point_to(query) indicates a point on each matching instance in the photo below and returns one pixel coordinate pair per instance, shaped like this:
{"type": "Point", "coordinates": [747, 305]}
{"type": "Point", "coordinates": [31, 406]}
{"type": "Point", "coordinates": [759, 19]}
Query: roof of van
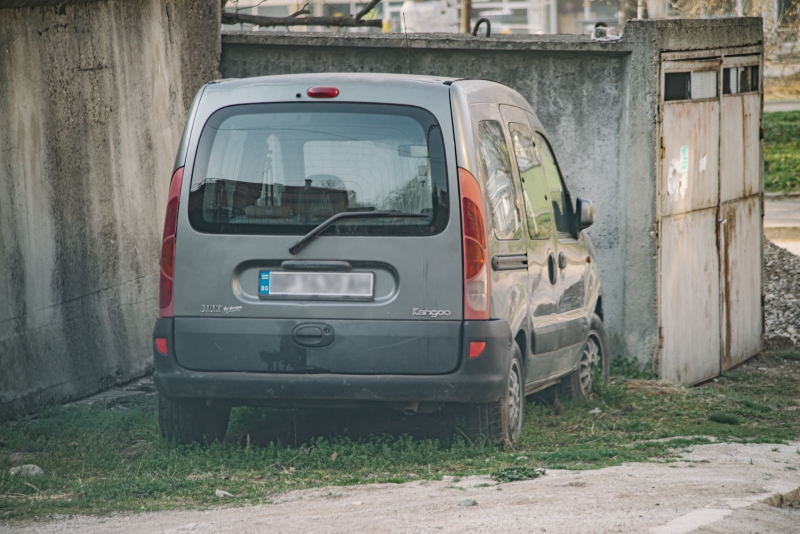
{"type": "Point", "coordinates": [481, 90]}
{"type": "Point", "coordinates": [328, 78]}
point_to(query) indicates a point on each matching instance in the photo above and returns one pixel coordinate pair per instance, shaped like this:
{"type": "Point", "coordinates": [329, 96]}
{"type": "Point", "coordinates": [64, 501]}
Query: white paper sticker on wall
{"type": "Point", "coordinates": [683, 185]}
{"type": "Point", "coordinates": [703, 164]}
{"type": "Point", "coordinates": [672, 179]}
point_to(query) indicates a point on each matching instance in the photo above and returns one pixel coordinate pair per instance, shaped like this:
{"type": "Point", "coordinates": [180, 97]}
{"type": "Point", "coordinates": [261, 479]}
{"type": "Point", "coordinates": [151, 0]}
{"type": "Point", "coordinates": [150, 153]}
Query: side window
{"type": "Point", "coordinates": [499, 187]}
{"type": "Point", "coordinates": [558, 197]}
{"type": "Point", "coordinates": [534, 187]}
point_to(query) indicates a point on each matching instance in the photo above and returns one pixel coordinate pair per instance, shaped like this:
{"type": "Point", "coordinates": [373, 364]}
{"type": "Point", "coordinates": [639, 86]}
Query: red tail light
{"type": "Point", "coordinates": [476, 271]}
{"type": "Point", "coordinates": [475, 348]}
{"type": "Point", "coordinates": [161, 345]}
{"type": "Point", "coordinates": [323, 92]}
{"type": "Point", "coordinates": [166, 304]}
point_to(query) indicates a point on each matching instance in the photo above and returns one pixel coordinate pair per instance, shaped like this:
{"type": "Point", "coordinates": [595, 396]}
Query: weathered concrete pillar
{"type": "Point", "coordinates": [93, 95]}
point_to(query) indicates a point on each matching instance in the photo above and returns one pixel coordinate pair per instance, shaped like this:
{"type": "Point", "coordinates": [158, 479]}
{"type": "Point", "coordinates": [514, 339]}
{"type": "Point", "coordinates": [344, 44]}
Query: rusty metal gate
{"type": "Point", "coordinates": [709, 214]}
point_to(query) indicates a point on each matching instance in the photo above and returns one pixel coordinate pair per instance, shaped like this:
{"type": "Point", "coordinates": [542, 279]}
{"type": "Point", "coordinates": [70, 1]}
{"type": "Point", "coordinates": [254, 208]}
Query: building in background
{"type": "Point", "coordinates": [317, 8]}
{"type": "Point", "coordinates": [576, 16]}
{"type": "Point", "coordinates": [442, 16]}
{"type": "Point", "coordinates": [519, 16]}
{"type": "Point", "coordinates": [507, 16]}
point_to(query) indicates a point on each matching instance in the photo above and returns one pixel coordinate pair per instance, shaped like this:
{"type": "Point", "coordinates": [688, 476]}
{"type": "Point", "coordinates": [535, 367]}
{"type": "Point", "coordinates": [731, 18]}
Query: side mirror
{"type": "Point", "coordinates": [584, 214]}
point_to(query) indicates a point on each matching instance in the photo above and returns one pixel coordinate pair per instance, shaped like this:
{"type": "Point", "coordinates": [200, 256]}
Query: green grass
{"type": "Point", "coordinates": [724, 418]}
{"type": "Point", "coordinates": [782, 151]}
{"type": "Point", "coordinates": [515, 473]}
{"type": "Point", "coordinates": [789, 355]}
{"type": "Point", "coordinates": [624, 367]}
{"type": "Point", "coordinates": [101, 460]}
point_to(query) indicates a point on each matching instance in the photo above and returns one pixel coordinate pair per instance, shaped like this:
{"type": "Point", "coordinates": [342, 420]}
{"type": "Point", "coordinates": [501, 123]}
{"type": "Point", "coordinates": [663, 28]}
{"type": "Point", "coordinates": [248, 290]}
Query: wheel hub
{"type": "Point", "coordinates": [515, 401]}
{"type": "Point", "coordinates": [590, 363]}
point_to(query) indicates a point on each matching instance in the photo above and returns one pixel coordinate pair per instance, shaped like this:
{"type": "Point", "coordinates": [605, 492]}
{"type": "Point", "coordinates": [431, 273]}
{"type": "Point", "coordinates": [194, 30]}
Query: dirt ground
{"type": "Point", "coordinates": [715, 488]}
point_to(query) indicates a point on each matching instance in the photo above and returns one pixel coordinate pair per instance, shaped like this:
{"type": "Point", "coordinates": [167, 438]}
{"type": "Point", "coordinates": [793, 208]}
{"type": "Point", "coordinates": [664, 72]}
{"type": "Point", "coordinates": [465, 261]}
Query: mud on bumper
{"type": "Point", "coordinates": [478, 380]}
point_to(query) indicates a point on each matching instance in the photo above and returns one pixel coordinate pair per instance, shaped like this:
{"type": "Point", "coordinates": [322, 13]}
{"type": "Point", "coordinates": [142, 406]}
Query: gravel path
{"type": "Point", "coordinates": [781, 297]}
{"type": "Point", "coordinates": [722, 482]}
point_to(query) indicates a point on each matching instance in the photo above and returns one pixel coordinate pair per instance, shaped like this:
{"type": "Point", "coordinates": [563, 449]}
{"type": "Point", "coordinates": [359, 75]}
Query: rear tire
{"type": "Point", "coordinates": [593, 368]}
{"type": "Point", "coordinates": [185, 421]}
{"type": "Point", "coordinates": [503, 419]}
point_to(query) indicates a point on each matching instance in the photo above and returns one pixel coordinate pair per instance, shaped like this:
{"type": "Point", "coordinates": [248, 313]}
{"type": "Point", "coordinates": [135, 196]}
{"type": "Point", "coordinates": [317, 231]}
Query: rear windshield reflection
{"type": "Point", "coordinates": [285, 168]}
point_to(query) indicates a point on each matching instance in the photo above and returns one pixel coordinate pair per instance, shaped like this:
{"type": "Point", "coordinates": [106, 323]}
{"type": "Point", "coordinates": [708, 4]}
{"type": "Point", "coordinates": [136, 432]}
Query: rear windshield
{"type": "Point", "coordinates": [285, 168]}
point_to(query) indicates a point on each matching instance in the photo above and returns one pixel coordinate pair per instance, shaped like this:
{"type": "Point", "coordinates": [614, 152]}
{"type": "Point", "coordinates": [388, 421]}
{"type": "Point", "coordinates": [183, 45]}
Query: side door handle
{"type": "Point", "coordinates": [551, 268]}
{"type": "Point", "coordinates": [509, 262]}
{"type": "Point", "coordinates": [562, 261]}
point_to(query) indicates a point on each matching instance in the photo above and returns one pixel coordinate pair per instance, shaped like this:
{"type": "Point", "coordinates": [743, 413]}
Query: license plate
{"type": "Point", "coordinates": [315, 286]}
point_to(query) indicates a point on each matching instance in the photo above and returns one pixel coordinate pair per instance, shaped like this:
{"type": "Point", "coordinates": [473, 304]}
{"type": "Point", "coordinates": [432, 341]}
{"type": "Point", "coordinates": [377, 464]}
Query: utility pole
{"type": "Point", "coordinates": [466, 16]}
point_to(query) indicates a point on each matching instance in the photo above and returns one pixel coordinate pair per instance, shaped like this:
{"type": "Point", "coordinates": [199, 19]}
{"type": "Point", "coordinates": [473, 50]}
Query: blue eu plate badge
{"type": "Point", "coordinates": [263, 283]}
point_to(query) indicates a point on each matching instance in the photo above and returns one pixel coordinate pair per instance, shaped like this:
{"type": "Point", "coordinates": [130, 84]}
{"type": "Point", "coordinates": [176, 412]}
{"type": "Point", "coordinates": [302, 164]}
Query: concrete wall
{"type": "Point", "coordinates": [598, 102]}
{"type": "Point", "coordinates": [93, 96]}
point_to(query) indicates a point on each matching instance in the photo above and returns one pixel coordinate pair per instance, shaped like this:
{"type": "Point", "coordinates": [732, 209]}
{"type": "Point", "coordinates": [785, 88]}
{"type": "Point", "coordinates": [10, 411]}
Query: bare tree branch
{"type": "Point", "coordinates": [302, 11]}
{"type": "Point", "coordinates": [366, 9]}
{"type": "Point", "coordinates": [234, 18]}
{"type": "Point", "coordinates": [295, 20]}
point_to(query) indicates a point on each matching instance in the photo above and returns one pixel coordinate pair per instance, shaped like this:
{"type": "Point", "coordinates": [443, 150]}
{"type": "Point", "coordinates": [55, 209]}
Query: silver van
{"type": "Point", "coordinates": [350, 238]}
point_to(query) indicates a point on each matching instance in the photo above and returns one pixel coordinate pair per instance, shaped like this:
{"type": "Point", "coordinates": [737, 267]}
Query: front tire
{"type": "Point", "coordinates": [185, 421]}
{"type": "Point", "coordinates": [502, 420]}
{"type": "Point", "coordinates": [593, 368]}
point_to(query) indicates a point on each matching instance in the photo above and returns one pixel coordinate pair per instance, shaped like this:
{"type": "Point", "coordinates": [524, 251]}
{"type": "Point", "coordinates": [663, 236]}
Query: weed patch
{"type": "Point", "coordinates": [792, 355]}
{"type": "Point", "coordinates": [747, 403]}
{"type": "Point", "coordinates": [516, 473]}
{"type": "Point", "coordinates": [724, 418]}
{"type": "Point", "coordinates": [621, 366]}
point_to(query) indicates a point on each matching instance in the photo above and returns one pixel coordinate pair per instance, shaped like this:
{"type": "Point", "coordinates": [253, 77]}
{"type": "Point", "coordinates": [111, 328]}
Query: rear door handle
{"type": "Point", "coordinates": [551, 268]}
{"type": "Point", "coordinates": [509, 262]}
{"type": "Point", "coordinates": [562, 261]}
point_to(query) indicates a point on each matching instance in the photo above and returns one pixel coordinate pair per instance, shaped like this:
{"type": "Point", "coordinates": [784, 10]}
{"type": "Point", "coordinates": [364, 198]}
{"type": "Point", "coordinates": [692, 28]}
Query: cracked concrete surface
{"type": "Point", "coordinates": [713, 488]}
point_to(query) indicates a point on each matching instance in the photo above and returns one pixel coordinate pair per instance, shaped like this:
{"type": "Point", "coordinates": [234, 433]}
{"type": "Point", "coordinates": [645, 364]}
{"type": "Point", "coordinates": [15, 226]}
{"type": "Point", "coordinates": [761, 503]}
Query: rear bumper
{"type": "Point", "coordinates": [479, 380]}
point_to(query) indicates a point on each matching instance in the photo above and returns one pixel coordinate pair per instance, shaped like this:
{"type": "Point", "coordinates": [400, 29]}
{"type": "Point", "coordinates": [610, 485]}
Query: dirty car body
{"type": "Point", "coordinates": [440, 242]}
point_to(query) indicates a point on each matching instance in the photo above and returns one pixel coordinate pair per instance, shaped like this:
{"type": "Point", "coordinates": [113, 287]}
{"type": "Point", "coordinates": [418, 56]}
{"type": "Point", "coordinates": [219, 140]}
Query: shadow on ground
{"type": "Point", "coordinates": [297, 427]}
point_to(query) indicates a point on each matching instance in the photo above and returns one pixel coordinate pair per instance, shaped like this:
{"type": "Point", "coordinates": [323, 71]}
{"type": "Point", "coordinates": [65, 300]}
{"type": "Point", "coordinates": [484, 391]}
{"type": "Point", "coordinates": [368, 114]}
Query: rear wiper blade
{"type": "Point", "coordinates": [306, 239]}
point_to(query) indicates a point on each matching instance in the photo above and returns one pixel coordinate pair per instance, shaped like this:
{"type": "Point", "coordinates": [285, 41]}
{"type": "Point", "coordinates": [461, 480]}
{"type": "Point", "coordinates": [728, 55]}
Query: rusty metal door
{"type": "Point", "coordinates": [740, 220]}
{"type": "Point", "coordinates": [740, 280]}
{"type": "Point", "coordinates": [688, 189]}
{"type": "Point", "coordinates": [709, 215]}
